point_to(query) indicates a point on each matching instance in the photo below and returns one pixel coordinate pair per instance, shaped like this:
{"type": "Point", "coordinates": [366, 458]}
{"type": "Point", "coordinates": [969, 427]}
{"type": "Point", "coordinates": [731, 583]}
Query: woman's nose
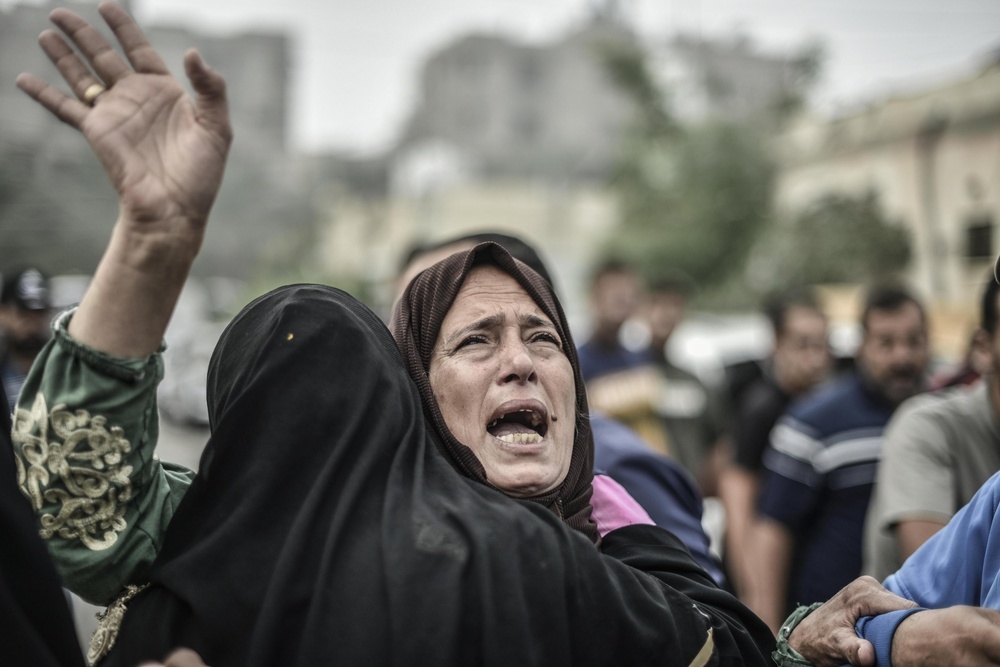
{"type": "Point", "coordinates": [517, 363]}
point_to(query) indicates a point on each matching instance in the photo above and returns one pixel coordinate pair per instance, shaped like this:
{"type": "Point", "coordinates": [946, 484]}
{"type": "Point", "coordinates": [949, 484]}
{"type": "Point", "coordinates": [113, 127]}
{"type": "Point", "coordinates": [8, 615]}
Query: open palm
{"type": "Point", "coordinates": [163, 151]}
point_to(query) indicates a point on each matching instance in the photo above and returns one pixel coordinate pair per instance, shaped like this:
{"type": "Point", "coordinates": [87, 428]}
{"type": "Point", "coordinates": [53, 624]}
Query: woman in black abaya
{"type": "Point", "coordinates": [326, 528]}
{"type": "Point", "coordinates": [336, 518]}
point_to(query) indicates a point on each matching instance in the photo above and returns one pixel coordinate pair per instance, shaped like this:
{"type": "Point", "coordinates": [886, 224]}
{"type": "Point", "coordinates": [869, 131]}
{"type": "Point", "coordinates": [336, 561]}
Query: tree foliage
{"type": "Point", "coordinates": [839, 238]}
{"type": "Point", "coordinates": [691, 198]}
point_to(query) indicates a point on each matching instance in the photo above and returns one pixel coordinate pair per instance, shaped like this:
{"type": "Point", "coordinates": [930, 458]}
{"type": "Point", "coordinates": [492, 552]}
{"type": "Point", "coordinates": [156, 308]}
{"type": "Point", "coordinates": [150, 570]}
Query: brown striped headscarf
{"type": "Point", "coordinates": [416, 323]}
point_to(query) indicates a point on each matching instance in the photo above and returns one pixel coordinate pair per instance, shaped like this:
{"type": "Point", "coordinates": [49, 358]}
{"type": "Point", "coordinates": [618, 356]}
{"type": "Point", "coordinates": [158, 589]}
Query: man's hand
{"type": "Point", "coordinates": [967, 636]}
{"type": "Point", "coordinates": [826, 637]}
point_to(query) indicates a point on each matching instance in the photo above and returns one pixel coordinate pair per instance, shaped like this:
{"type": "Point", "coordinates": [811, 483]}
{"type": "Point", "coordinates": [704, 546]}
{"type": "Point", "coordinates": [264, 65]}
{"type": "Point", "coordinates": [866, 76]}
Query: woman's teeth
{"type": "Point", "coordinates": [520, 438]}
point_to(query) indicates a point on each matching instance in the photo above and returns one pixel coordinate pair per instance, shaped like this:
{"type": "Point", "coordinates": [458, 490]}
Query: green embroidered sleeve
{"type": "Point", "coordinates": [84, 432]}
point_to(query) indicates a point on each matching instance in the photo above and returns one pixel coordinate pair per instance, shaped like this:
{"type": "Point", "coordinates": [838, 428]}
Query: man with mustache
{"type": "Point", "coordinates": [24, 327]}
{"type": "Point", "coordinates": [940, 448]}
{"type": "Point", "coordinates": [822, 460]}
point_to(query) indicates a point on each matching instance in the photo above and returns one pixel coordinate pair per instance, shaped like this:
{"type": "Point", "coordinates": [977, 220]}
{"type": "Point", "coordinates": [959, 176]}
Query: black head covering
{"type": "Point", "coordinates": [416, 323]}
{"type": "Point", "coordinates": [518, 249]}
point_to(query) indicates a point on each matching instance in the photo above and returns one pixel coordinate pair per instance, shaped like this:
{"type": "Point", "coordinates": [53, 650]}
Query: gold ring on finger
{"type": "Point", "coordinates": [91, 93]}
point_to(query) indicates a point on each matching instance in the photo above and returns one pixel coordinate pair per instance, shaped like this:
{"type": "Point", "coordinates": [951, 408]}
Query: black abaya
{"type": "Point", "coordinates": [36, 627]}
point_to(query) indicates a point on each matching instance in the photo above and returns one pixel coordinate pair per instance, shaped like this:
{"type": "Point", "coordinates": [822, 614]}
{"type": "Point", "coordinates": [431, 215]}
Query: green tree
{"type": "Point", "coordinates": [691, 198]}
{"type": "Point", "coordinates": [805, 69]}
{"type": "Point", "coordinates": [839, 238]}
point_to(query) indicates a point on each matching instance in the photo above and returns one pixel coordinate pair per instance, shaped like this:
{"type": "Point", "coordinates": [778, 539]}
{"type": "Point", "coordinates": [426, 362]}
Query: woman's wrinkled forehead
{"type": "Point", "coordinates": [486, 279]}
{"type": "Point", "coordinates": [490, 275]}
{"type": "Point", "coordinates": [484, 296]}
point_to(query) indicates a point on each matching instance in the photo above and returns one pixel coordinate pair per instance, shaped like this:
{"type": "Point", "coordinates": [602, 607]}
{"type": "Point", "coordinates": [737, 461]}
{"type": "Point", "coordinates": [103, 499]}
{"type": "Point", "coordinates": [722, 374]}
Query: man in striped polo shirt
{"type": "Point", "coordinates": [822, 459]}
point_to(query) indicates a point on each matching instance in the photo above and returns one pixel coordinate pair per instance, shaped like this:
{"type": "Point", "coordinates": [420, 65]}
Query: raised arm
{"type": "Point", "coordinates": [164, 154]}
{"type": "Point", "coordinates": [86, 424]}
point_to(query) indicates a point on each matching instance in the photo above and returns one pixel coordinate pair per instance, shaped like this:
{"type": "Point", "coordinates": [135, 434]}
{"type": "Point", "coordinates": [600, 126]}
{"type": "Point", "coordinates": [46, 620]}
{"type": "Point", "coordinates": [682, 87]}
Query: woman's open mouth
{"type": "Point", "coordinates": [519, 425]}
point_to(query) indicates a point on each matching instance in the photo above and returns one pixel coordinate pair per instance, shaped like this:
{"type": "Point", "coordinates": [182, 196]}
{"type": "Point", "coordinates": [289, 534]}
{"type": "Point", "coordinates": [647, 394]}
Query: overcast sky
{"type": "Point", "coordinates": [355, 61]}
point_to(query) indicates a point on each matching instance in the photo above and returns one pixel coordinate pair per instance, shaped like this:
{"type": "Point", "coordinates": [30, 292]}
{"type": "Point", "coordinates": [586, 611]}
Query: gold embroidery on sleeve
{"type": "Point", "coordinates": [109, 622]}
{"type": "Point", "coordinates": [87, 458]}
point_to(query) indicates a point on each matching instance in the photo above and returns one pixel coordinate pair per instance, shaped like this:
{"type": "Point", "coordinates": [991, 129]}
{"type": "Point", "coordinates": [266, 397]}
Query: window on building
{"type": "Point", "coordinates": [979, 238]}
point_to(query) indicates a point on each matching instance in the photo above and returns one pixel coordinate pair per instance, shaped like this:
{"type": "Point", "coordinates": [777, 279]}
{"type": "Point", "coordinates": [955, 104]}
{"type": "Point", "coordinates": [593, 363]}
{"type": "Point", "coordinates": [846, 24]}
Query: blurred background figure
{"type": "Point", "coordinates": [33, 607]}
{"type": "Point", "coordinates": [800, 360]}
{"type": "Point", "coordinates": [967, 371]}
{"type": "Point", "coordinates": [822, 460]}
{"type": "Point", "coordinates": [615, 293]}
{"type": "Point", "coordinates": [665, 306]}
{"type": "Point", "coordinates": [623, 382]}
{"type": "Point", "coordinates": [693, 416]}
{"type": "Point", "coordinates": [939, 450]}
{"type": "Point", "coordinates": [25, 314]}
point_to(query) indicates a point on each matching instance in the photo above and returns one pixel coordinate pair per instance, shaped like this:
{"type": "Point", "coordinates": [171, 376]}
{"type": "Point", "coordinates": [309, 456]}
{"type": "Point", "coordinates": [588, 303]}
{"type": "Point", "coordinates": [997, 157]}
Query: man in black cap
{"type": "Point", "coordinates": [25, 312]}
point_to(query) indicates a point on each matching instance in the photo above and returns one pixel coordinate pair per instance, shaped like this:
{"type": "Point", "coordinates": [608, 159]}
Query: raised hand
{"type": "Point", "coordinates": [163, 151]}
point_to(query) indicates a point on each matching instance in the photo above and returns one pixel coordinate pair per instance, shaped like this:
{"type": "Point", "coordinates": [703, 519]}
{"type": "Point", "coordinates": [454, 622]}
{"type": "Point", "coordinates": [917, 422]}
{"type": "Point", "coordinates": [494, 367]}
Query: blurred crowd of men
{"type": "Point", "coordinates": [827, 469]}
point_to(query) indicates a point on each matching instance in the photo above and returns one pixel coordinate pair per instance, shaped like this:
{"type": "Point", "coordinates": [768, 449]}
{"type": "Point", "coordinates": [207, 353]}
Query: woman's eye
{"type": "Point", "coordinates": [546, 337]}
{"type": "Point", "coordinates": [471, 340]}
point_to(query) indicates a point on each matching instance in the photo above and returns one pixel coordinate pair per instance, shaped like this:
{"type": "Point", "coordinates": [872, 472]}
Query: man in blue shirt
{"type": "Point", "coordinates": [822, 460]}
{"type": "Point", "coordinates": [948, 613]}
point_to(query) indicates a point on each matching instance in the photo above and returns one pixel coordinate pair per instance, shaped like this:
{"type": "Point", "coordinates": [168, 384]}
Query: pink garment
{"type": "Point", "coordinates": [614, 507]}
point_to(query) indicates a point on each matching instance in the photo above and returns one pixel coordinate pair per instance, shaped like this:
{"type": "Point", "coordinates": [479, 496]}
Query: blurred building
{"type": "Point", "coordinates": [563, 223]}
{"type": "Point", "coordinates": [524, 138]}
{"type": "Point", "coordinates": [256, 67]}
{"type": "Point", "coordinates": [551, 110]}
{"type": "Point", "coordinates": [512, 108]}
{"type": "Point", "coordinates": [725, 78]}
{"type": "Point", "coordinates": [932, 156]}
{"type": "Point", "coordinates": [58, 209]}
{"type": "Point", "coordinates": [20, 120]}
